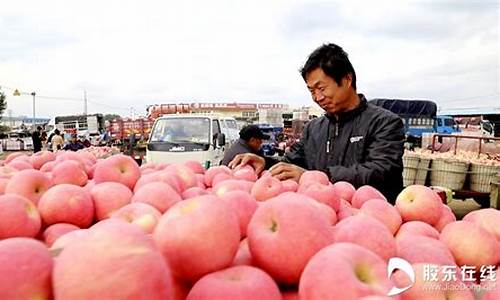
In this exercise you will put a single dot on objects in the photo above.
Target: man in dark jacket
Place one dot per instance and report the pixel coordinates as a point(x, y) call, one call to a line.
point(74, 144)
point(354, 141)
point(37, 139)
point(249, 142)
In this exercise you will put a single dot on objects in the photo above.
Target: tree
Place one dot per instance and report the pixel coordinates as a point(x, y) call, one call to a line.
point(3, 103)
point(111, 117)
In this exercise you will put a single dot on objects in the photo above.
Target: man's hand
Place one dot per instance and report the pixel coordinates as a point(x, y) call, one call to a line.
point(255, 161)
point(284, 171)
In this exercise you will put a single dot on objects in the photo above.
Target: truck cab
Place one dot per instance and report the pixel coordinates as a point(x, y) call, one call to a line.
point(182, 137)
point(446, 125)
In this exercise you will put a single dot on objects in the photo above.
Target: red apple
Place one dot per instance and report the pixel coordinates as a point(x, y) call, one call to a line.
point(186, 175)
point(266, 188)
point(289, 185)
point(55, 231)
point(419, 203)
point(213, 171)
point(239, 282)
point(109, 197)
point(195, 166)
point(321, 193)
point(364, 194)
point(344, 271)
point(97, 256)
point(447, 217)
point(245, 172)
point(280, 239)
point(67, 203)
point(31, 184)
point(314, 176)
point(194, 192)
point(470, 244)
point(20, 165)
point(422, 249)
point(488, 219)
point(243, 256)
point(25, 269)
point(414, 228)
point(69, 172)
point(117, 168)
point(384, 212)
point(157, 194)
point(18, 217)
point(243, 205)
point(140, 214)
point(367, 232)
point(196, 229)
point(344, 190)
point(229, 185)
point(40, 158)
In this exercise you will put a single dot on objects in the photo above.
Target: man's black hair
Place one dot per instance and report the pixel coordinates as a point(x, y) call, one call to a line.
point(333, 60)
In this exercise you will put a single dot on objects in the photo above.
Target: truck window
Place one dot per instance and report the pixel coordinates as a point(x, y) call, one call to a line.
point(439, 122)
point(232, 124)
point(216, 127)
point(181, 130)
point(449, 122)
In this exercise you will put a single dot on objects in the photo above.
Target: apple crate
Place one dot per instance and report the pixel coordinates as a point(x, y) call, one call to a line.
point(415, 169)
point(449, 173)
point(481, 177)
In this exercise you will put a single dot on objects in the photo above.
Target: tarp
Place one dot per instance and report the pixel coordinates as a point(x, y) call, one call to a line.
point(421, 108)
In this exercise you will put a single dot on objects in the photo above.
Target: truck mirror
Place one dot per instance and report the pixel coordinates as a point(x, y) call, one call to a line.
point(221, 139)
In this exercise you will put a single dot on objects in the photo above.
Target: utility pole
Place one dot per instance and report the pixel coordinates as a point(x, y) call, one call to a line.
point(85, 102)
point(34, 122)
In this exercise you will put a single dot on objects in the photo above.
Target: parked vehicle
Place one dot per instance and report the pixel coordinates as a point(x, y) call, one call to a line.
point(182, 137)
point(270, 147)
point(419, 117)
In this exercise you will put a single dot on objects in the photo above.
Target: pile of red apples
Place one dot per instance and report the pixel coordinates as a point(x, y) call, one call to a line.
point(73, 226)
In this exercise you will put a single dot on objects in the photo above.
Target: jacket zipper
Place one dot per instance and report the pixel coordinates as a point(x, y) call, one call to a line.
point(335, 134)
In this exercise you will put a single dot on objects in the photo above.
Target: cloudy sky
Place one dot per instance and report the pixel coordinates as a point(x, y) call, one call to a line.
point(129, 54)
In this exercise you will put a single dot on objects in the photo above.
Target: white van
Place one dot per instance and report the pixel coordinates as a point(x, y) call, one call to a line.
point(182, 137)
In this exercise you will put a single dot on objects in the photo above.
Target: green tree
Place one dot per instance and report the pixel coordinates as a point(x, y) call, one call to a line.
point(3, 103)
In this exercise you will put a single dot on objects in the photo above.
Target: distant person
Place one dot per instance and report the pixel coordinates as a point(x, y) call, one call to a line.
point(56, 140)
point(74, 144)
point(43, 138)
point(250, 141)
point(85, 141)
point(37, 139)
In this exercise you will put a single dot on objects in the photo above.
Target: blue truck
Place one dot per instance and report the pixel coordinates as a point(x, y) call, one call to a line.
point(269, 147)
point(419, 116)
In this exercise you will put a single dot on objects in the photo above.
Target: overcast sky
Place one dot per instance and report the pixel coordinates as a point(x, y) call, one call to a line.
point(135, 53)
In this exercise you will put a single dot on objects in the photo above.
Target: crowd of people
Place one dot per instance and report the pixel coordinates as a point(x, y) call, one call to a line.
point(58, 141)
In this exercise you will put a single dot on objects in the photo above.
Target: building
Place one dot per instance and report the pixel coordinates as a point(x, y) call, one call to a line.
point(17, 122)
point(245, 112)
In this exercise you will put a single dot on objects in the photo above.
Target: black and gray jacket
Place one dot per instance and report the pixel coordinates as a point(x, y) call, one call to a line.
point(362, 146)
point(239, 147)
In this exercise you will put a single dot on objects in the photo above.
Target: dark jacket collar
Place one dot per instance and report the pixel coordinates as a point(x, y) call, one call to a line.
point(244, 144)
point(346, 116)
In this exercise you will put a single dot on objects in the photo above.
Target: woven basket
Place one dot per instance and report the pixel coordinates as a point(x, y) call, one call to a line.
point(423, 169)
point(449, 173)
point(410, 167)
point(481, 176)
